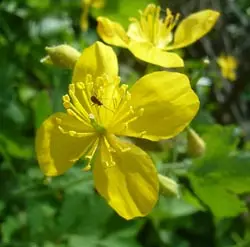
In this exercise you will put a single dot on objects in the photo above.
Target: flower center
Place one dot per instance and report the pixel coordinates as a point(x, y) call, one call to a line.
point(151, 28)
point(96, 106)
point(100, 103)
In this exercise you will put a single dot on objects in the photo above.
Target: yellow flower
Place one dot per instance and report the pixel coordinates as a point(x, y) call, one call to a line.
point(228, 66)
point(86, 4)
point(151, 38)
point(99, 111)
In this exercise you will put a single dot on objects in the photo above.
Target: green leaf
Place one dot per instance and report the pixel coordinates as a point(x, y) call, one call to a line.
point(8, 227)
point(16, 147)
point(42, 107)
point(222, 174)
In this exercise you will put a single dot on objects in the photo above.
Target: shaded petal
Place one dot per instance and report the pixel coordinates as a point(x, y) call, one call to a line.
point(57, 151)
point(128, 181)
point(169, 105)
point(151, 54)
point(98, 59)
point(193, 28)
point(112, 32)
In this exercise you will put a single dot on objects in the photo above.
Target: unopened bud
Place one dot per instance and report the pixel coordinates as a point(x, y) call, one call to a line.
point(206, 61)
point(63, 56)
point(168, 186)
point(196, 146)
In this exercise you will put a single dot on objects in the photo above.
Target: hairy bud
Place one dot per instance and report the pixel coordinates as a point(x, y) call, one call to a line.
point(196, 146)
point(168, 186)
point(63, 56)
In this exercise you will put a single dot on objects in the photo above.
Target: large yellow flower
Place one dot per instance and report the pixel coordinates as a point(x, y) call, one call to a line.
point(99, 111)
point(228, 66)
point(151, 37)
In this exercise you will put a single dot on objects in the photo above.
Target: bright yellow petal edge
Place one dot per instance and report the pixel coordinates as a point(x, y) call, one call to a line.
point(57, 150)
point(112, 32)
point(169, 104)
point(194, 27)
point(130, 185)
point(96, 60)
point(150, 36)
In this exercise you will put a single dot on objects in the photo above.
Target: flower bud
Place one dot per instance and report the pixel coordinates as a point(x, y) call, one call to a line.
point(63, 56)
point(168, 186)
point(196, 146)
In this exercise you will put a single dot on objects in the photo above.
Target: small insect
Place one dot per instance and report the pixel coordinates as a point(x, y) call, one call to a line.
point(96, 101)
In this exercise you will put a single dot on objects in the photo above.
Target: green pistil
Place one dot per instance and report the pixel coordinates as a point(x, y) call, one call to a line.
point(99, 128)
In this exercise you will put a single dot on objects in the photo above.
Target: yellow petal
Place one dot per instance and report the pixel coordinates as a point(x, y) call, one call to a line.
point(193, 28)
point(56, 151)
point(127, 179)
point(98, 59)
point(169, 105)
point(112, 32)
point(151, 54)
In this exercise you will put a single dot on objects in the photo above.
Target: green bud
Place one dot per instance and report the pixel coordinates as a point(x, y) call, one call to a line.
point(63, 56)
point(196, 146)
point(168, 186)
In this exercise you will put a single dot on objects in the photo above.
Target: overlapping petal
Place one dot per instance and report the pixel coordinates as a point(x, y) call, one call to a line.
point(126, 178)
point(193, 28)
point(151, 54)
point(112, 32)
point(169, 105)
point(57, 150)
point(96, 60)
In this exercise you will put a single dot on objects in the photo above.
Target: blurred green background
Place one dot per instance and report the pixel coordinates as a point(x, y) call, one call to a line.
point(213, 207)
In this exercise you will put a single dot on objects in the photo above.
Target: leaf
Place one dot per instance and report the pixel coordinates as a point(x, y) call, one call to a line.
point(8, 227)
point(87, 240)
point(222, 174)
point(42, 107)
point(16, 147)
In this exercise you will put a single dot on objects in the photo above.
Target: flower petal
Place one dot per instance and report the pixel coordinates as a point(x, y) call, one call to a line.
point(151, 54)
point(126, 178)
point(112, 32)
point(98, 59)
point(169, 105)
point(57, 151)
point(193, 28)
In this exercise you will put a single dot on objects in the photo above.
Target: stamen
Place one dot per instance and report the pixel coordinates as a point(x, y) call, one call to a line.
point(141, 134)
point(73, 133)
point(75, 115)
point(76, 102)
point(89, 155)
point(109, 164)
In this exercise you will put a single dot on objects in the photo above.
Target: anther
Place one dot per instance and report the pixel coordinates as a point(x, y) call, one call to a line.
point(91, 116)
point(140, 112)
point(66, 104)
point(66, 98)
point(109, 164)
point(62, 130)
point(72, 87)
point(141, 134)
point(86, 168)
point(72, 133)
point(80, 85)
point(58, 120)
point(131, 110)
